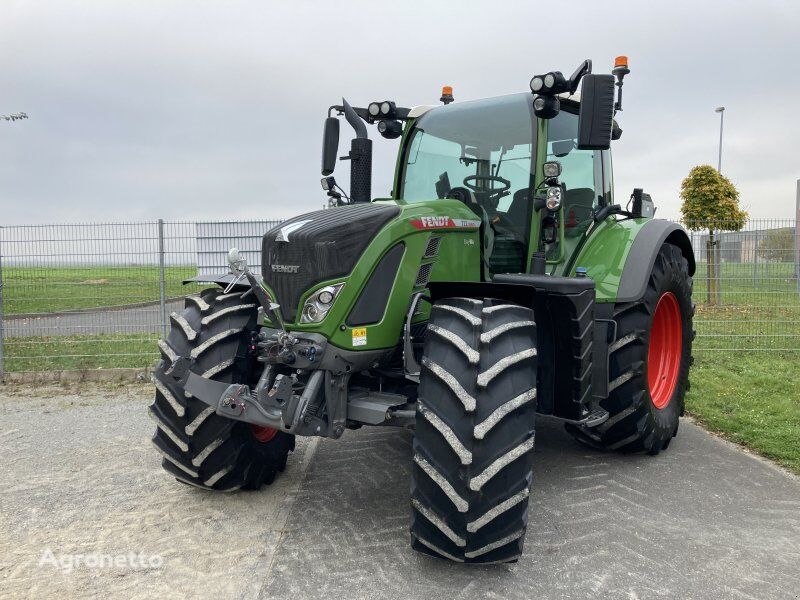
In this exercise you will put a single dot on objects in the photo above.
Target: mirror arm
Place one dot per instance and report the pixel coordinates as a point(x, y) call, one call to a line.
point(585, 68)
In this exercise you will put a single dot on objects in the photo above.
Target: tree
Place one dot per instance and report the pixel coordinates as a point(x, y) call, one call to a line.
point(711, 202)
point(777, 245)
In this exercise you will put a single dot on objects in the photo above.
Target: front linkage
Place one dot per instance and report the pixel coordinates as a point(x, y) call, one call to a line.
point(293, 362)
point(274, 403)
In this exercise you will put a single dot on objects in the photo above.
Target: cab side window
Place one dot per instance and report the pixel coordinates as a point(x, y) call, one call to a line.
point(608, 178)
point(581, 172)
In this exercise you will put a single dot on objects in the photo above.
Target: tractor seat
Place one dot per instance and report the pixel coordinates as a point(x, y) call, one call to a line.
point(509, 249)
point(578, 211)
point(519, 211)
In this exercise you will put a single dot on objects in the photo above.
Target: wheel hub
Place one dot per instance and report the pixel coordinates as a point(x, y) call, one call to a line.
point(665, 351)
point(263, 434)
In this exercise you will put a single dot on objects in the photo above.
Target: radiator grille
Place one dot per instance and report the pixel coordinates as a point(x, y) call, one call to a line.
point(326, 245)
point(423, 275)
point(432, 248)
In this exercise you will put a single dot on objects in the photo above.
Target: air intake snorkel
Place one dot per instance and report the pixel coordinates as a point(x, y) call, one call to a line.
point(360, 157)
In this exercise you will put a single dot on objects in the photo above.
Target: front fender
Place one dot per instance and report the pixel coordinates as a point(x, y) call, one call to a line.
point(221, 280)
point(619, 255)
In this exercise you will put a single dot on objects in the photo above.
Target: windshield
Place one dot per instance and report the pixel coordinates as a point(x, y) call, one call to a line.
point(474, 145)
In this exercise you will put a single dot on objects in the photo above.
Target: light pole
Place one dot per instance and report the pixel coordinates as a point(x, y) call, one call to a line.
point(721, 111)
point(714, 286)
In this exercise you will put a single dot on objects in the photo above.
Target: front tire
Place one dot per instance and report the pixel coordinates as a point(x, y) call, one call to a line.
point(648, 363)
point(199, 447)
point(474, 435)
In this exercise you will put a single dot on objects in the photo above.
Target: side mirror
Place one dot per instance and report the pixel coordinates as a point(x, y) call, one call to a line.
point(330, 145)
point(597, 112)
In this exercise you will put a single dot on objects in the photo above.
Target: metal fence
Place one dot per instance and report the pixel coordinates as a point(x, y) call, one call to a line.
point(746, 287)
point(97, 296)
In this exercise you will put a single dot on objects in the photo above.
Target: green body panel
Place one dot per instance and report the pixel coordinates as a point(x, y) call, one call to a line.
point(604, 254)
point(458, 259)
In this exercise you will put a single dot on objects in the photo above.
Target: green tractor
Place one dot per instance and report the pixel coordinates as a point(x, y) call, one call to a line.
point(499, 280)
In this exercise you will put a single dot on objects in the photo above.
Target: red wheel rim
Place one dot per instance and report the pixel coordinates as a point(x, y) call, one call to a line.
point(263, 434)
point(666, 347)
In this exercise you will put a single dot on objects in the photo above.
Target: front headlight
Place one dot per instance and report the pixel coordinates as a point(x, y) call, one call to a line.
point(319, 303)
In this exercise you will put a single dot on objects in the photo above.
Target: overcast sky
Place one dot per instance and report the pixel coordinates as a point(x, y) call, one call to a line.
point(189, 110)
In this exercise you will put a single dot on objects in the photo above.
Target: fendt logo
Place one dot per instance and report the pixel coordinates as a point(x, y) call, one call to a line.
point(285, 268)
point(436, 221)
point(443, 222)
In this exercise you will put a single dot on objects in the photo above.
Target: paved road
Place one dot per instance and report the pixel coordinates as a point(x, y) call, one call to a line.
point(140, 319)
point(703, 520)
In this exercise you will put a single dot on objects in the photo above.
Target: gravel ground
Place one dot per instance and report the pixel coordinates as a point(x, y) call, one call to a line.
point(81, 477)
point(702, 520)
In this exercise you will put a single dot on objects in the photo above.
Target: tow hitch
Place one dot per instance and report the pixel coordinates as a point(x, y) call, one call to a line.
point(276, 406)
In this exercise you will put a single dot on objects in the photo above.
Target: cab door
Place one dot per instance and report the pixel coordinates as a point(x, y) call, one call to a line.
point(583, 179)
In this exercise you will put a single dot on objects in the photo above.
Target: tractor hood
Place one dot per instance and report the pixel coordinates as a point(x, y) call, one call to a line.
point(316, 247)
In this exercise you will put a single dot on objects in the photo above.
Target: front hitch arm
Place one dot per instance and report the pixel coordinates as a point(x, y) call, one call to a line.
point(279, 407)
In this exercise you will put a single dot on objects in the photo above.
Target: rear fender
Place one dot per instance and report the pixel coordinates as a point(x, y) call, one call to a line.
point(642, 256)
point(619, 255)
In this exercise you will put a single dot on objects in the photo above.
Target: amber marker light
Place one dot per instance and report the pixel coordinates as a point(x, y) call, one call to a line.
point(447, 94)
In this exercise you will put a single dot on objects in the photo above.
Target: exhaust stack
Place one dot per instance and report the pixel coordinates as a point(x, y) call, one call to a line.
point(360, 157)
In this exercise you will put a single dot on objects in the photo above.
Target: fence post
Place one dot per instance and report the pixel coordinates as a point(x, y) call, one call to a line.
point(797, 239)
point(718, 269)
point(2, 340)
point(710, 297)
point(755, 259)
point(162, 287)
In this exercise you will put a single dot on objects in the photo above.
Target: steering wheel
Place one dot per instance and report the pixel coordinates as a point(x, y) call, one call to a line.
point(472, 181)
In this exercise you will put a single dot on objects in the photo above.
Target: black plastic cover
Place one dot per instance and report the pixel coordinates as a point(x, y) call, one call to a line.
point(564, 311)
point(327, 246)
point(371, 303)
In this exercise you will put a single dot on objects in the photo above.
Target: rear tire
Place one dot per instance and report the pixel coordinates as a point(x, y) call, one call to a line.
point(198, 446)
point(474, 435)
point(644, 416)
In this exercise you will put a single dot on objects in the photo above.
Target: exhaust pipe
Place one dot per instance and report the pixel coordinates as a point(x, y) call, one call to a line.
point(360, 157)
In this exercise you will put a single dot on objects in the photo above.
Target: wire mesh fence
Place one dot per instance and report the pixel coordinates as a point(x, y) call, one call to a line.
point(97, 296)
point(746, 286)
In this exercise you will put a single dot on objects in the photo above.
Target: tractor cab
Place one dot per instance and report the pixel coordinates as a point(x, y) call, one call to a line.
point(535, 169)
point(482, 153)
point(485, 154)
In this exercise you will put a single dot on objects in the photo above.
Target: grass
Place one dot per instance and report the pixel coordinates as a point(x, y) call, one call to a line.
point(56, 289)
point(743, 284)
point(751, 399)
point(81, 352)
point(734, 329)
point(759, 310)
